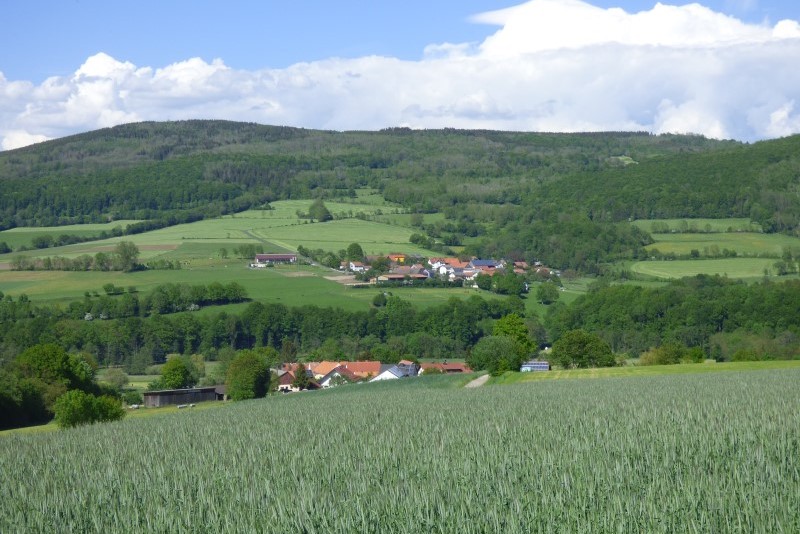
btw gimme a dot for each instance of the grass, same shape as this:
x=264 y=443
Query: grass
x=374 y=237
x=751 y=268
x=744 y=243
x=648 y=370
x=17 y=237
x=290 y=285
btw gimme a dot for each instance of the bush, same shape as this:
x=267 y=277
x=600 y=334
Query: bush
x=132 y=397
x=75 y=408
x=248 y=376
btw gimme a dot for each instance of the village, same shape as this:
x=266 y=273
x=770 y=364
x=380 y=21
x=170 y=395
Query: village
x=404 y=268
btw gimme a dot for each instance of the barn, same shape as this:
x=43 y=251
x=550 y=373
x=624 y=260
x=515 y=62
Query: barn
x=166 y=397
x=263 y=260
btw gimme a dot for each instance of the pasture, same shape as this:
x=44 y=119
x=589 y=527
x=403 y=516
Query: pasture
x=17 y=237
x=290 y=285
x=731 y=267
x=684 y=453
x=744 y=243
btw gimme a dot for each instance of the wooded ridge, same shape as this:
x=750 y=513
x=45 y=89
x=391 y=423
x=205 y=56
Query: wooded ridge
x=555 y=197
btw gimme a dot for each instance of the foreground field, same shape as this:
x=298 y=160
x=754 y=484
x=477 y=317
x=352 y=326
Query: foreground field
x=708 y=453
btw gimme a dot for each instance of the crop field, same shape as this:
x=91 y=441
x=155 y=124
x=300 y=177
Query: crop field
x=730 y=267
x=693 y=453
x=744 y=243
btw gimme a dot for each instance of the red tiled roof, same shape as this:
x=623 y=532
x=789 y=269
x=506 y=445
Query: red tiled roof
x=363 y=369
x=323 y=368
x=447 y=367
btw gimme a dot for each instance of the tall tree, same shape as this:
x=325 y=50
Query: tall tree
x=355 y=252
x=319 y=212
x=578 y=348
x=127 y=255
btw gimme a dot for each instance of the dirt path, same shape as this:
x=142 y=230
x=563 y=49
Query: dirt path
x=478 y=382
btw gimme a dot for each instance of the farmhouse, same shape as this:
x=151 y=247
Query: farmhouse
x=165 y=397
x=338 y=375
x=263 y=260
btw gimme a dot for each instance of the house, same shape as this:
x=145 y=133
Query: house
x=446 y=368
x=357 y=267
x=397 y=258
x=166 y=397
x=263 y=260
x=323 y=368
x=365 y=369
x=486 y=264
x=401 y=370
x=534 y=366
x=337 y=375
x=286 y=379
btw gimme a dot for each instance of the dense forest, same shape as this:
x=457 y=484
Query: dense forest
x=560 y=198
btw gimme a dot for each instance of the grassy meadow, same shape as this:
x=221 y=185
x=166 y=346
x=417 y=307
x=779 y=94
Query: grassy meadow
x=744 y=243
x=746 y=268
x=685 y=453
x=17 y=237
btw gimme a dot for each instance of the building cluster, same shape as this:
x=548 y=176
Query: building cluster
x=403 y=267
x=326 y=374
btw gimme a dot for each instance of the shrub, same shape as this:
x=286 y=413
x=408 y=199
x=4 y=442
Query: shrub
x=76 y=407
x=132 y=397
x=248 y=376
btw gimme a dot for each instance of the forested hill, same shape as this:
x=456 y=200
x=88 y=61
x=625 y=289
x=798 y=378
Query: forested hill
x=488 y=183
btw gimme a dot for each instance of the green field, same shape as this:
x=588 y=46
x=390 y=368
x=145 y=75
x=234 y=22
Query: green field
x=744 y=243
x=17 y=237
x=649 y=370
x=689 y=453
x=289 y=285
x=731 y=267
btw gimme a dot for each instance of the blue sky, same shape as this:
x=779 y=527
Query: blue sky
x=174 y=59
x=42 y=38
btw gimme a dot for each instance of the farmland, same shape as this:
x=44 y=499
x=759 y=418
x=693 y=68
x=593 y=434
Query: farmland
x=644 y=454
x=743 y=243
x=197 y=246
x=751 y=268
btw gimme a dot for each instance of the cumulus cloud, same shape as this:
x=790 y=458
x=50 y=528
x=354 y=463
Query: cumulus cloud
x=551 y=65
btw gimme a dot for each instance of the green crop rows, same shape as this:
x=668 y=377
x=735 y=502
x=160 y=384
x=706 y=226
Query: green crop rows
x=695 y=453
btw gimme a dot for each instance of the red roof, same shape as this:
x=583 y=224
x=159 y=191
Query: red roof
x=363 y=369
x=447 y=367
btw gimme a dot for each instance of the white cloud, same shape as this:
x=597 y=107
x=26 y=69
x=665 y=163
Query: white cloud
x=553 y=65
x=16 y=139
